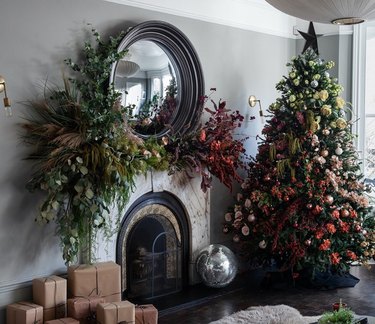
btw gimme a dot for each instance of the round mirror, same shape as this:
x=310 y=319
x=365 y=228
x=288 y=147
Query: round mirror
x=160 y=80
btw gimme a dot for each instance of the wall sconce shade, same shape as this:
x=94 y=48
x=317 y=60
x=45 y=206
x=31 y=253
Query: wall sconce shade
x=7 y=106
x=340 y=12
x=252 y=103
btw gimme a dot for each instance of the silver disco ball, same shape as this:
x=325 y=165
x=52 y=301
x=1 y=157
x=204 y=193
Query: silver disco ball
x=216 y=265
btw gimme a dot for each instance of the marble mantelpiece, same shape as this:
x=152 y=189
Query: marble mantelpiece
x=197 y=208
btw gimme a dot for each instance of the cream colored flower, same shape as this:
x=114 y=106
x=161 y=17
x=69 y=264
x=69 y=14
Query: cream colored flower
x=326 y=110
x=262 y=244
x=146 y=121
x=333 y=124
x=156 y=154
x=316 y=77
x=292 y=98
x=147 y=154
x=238 y=214
x=245 y=230
x=341 y=123
x=314 y=126
x=165 y=140
x=323 y=95
x=340 y=103
x=228 y=217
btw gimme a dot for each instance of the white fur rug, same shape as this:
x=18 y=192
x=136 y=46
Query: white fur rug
x=279 y=314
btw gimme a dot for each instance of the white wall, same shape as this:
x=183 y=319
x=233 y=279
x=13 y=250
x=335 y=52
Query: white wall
x=36 y=36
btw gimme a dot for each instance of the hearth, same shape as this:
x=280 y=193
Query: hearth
x=153 y=247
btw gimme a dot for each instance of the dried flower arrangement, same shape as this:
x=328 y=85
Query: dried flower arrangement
x=87 y=155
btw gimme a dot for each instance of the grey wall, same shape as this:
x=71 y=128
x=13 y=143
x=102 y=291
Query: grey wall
x=337 y=48
x=35 y=37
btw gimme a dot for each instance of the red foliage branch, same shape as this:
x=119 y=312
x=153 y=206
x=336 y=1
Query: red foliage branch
x=212 y=148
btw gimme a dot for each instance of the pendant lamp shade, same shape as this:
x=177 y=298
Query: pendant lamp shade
x=126 y=68
x=340 y=12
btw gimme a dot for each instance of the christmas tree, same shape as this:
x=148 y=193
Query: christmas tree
x=303 y=204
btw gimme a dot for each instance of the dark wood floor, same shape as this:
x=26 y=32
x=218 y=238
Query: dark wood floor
x=308 y=301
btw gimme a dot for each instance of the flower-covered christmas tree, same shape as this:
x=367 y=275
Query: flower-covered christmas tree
x=303 y=204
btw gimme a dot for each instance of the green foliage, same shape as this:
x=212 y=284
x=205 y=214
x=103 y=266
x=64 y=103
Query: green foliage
x=98 y=96
x=341 y=316
x=87 y=157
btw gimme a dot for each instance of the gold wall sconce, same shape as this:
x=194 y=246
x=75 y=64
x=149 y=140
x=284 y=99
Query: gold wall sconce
x=252 y=103
x=7 y=106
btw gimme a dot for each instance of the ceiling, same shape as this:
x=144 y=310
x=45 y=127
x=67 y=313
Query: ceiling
x=255 y=15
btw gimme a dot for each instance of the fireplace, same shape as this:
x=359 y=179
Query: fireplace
x=186 y=211
x=153 y=247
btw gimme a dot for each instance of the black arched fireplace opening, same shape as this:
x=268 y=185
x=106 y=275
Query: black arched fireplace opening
x=153 y=247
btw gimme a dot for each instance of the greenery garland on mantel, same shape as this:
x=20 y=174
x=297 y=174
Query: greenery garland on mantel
x=87 y=157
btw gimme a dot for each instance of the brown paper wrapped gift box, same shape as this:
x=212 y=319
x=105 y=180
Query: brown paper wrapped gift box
x=84 y=308
x=65 y=320
x=24 y=313
x=98 y=279
x=50 y=292
x=146 y=314
x=114 y=313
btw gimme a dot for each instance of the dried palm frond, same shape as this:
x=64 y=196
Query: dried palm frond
x=55 y=128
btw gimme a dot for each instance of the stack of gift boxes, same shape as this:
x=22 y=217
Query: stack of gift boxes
x=94 y=293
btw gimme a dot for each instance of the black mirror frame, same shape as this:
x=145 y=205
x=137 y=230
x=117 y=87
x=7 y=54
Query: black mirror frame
x=186 y=64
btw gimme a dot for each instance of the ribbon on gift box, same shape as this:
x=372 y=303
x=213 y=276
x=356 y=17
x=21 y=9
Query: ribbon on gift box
x=117 y=315
x=35 y=309
x=98 y=292
x=60 y=308
x=92 y=313
x=144 y=318
x=142 y=307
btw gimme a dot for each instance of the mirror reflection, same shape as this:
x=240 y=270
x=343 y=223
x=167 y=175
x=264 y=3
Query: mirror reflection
x=146 y=79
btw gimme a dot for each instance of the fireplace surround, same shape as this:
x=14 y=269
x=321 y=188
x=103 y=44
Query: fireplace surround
x=185 y=211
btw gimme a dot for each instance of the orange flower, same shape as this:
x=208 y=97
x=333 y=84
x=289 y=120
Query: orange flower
x=317 y=210
x=336 y=214
x=215 y=145
x=331 y=228
x=202 y=136
x=353 y=214
x=344 y=227
x=319 y=234
x=351 y=255
x=325 y=245
x=335 y=258
x=295 y=275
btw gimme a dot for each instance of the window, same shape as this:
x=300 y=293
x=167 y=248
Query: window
x=134 y=96
x=364 y=97
x=369 y=130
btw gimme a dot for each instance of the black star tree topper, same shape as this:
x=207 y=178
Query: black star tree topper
x=311 y=39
